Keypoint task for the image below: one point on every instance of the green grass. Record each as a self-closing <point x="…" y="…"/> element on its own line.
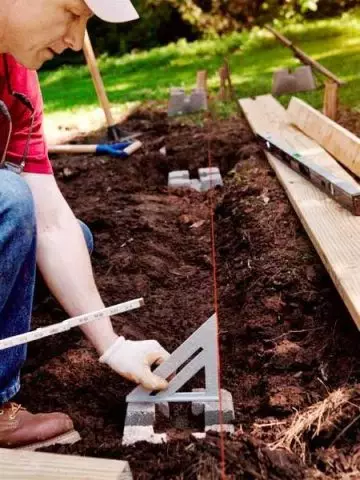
<point x="253" y="58"/>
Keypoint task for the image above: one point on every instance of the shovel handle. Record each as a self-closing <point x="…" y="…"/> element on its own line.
<point x="133" y="147"/>
<point x="72" y="148"/>
<point x="97" y="80"/>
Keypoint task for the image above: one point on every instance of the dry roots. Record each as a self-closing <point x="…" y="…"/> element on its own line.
<point x="321" y="417"/>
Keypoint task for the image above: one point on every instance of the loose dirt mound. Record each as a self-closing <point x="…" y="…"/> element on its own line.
<point x="286" y="338"/>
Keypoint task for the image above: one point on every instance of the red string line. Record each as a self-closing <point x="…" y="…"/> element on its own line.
<point x="216" y="308"/>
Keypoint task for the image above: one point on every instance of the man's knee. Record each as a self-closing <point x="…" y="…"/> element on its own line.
<point x="17" y="204"/>
<point x="89" y="239"/>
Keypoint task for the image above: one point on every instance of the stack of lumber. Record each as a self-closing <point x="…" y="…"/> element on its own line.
<point x="24" y="465"/>
<point x="334" y="231"/>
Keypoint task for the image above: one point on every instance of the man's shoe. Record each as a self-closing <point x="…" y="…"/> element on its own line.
<point x="21" y="429"/>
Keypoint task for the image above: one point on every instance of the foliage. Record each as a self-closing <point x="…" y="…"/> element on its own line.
<point x="221" y="16"/>
<point x="253" y="55"/>
<point x="165" y="21"/>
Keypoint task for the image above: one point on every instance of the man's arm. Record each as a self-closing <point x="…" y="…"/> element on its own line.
<point x="63" y="258"/>
<point x="64" y="262"/>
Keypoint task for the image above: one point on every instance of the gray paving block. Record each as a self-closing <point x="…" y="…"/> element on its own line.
<point x="139" y="425"/>
<point x="164" y="409"/>
<point x="140" y="414"/>
<point x="176" y="104"/>
<point x="211" y="409"/>
<point x="211" y="181"/>
<point x="195" y="184"/>
<point x="203" y="172"/>
<point x="179" y="183"/>
<point x="227" y="428"/>
<point x="179" y="174"/>
<point x="180" y="103"/>
<point x="137" y="434"/>
<point x="197" y="100"/>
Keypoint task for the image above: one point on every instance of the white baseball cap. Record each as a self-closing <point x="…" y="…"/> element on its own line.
<point x="114" y="11"/>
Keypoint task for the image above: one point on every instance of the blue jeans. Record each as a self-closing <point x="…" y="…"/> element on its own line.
<point x="17" y="273"/>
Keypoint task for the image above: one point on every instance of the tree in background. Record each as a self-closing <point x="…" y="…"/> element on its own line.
<point x="222" y="16"/>
<point x="165" y="21"/>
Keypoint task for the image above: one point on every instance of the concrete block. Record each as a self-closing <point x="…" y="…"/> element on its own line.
<point x="283" y="82"/>
<point x="197" y="100"/>
<point x="227" y="428"/>
<point x="179" y="183"/>
<point x="211" y="409"/>
<point x="179" y="174"/>
<point x="137" y="434"/>
<point x="211" y="181"/>
<point x="180" y="103"/>
<point x="176" y="104"/>
<point x="302" y="79"/>
<point x="204" y="172"/>
<point x="195" y="184"/>
<point x="139" y="425"/>
<point x="305" y="78"/>
<point x="140" y="414"/>
<point x="164" y="409"/>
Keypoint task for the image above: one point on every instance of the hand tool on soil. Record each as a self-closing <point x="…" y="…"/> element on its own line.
<point x="114" y="132"/>
<point x="197" y="352"/>
<point x="119" y="150"/>
<point x="70" y="323"/>
<point x="343" y="192"/>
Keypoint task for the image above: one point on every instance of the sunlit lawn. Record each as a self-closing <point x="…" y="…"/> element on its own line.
<point x="253" y="58"/>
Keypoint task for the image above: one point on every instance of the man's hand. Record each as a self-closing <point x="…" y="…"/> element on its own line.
<point x="133" y="359"/>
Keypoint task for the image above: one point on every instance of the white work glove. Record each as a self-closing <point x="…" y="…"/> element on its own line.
<point x="133" y="359"/>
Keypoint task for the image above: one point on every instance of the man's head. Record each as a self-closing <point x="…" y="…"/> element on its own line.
<point x="33" y="31"/>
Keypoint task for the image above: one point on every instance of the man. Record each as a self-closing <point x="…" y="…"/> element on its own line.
<point x="37" y="225"/>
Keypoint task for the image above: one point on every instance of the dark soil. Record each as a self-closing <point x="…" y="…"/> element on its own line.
<point x="286" y="337"/>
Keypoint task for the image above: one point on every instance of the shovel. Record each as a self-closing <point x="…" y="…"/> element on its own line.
<point x="118" y="150"/>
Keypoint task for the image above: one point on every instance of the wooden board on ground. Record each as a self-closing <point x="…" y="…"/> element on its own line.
<point x="339" y="142"/>
<point x="24" y="465"/>
<point x="334" y="231"/>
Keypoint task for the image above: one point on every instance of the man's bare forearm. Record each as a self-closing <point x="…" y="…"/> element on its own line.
<point x="64" y="261"/>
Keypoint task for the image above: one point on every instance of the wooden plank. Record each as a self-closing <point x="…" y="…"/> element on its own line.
<point x="24" y="465"/>
<point x="331" y="100"/>
<point x="339" y="142"/>
<point x="268" y="115"/>
<point x="334" y="231"/>
<point x="201" y="80"/>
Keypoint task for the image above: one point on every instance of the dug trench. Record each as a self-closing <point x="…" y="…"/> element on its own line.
<point x="286" y="339"/>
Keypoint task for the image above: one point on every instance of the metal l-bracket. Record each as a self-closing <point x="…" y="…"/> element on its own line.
<point x="199" y="351"/>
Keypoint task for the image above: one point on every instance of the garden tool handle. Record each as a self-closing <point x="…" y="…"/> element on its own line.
<point x="122" y="150"/>
<point x="72" y="149"/>
<point x="97" y="80"/>
<point x="133" y="147"/>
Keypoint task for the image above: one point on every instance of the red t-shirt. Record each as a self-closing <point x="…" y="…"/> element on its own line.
<point x="26" y="82"/>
